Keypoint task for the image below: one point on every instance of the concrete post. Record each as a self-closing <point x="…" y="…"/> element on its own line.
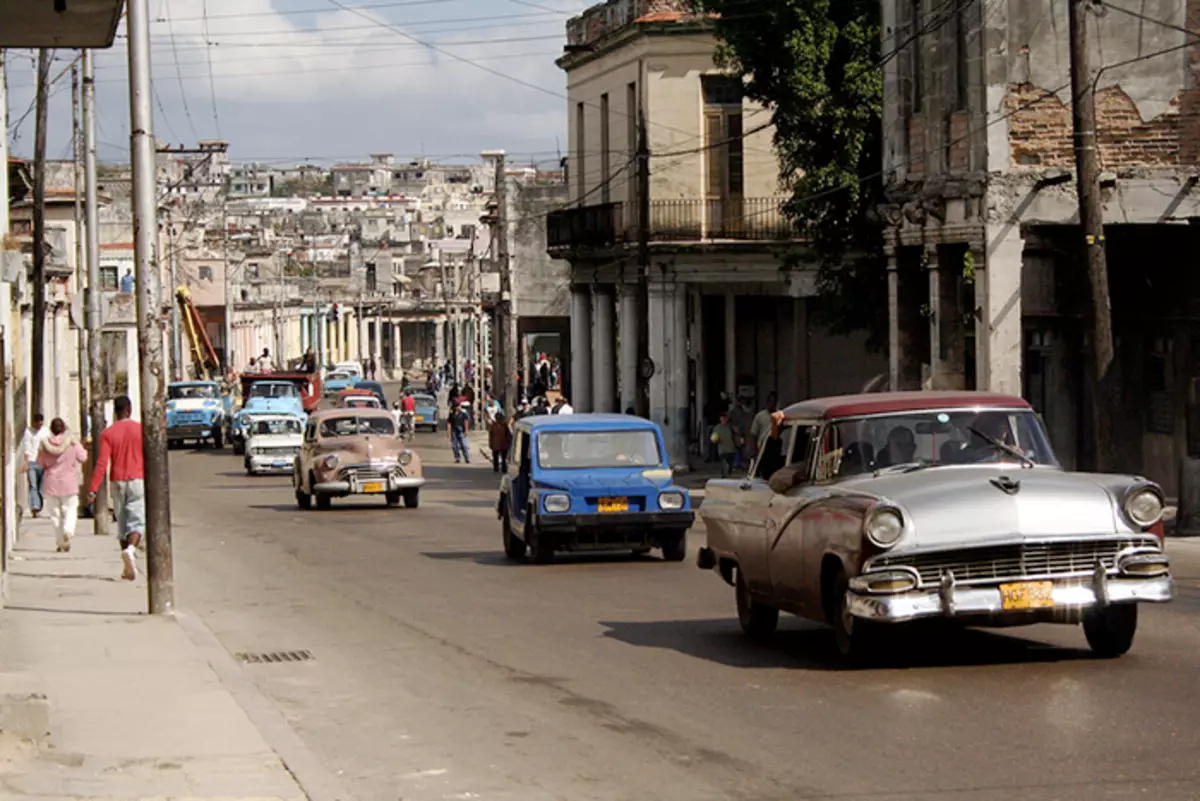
<point x="603" y="373"/>
<point x="982" y="339"/>
<point x="439" y="343"/>
<point x="580" y="391"/>
<point x="627" y="330"/>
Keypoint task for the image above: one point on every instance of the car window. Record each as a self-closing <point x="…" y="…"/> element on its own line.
<point x="274" y="391"/>
<point x="350" y="425"/>
<point x="176" y="392"/>
<point x="277" y="427"/>
<point x="570" y="450"/>
<point x="521" y="450"/>
<point x="310" y="432"/>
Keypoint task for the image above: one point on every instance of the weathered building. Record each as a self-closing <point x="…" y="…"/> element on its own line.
<point x="725" y="313"/>
<point x="987" y="284"/>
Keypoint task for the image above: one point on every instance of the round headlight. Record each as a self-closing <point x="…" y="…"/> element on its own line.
<point x="556" y="503"/>
<point x="884" y="527"/>
<point x="1145" y="508"/>
<point x="330" y="461"/>
<point x="405" y="457"/>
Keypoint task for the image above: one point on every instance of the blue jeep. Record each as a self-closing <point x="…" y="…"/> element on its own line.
<point x="265" y="397"/>
<point x="196" y="412"/>
<point x="591" y="482"/>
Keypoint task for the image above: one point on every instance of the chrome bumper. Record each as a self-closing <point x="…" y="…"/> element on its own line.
<point x="267" y="464"/>
<point x="347" y="488"/>
<point x="955" y="601"/>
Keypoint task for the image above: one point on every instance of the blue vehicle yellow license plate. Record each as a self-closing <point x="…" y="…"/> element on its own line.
<point x="1027" y="595"/>
<point x="420" y="418"/>
<point x="373" y="486"/>
<point x="613" y="505"/>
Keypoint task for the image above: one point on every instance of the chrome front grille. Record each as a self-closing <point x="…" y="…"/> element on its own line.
<point x="1007" y="562"/>
<point x="363" y="473"/>
<point x="279" y="451"/>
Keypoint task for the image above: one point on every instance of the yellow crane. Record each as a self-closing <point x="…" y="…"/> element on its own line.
<point x="204" y="356"/>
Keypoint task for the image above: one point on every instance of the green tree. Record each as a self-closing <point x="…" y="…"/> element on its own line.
<point x="815" y="64"/>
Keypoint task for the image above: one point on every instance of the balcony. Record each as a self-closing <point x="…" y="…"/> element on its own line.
<point x="610" y="225"/>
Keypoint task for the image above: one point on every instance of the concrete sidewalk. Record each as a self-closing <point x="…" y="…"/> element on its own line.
<point x="99" y="700"/>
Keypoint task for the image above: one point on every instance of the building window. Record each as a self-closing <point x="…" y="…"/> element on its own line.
<point x="961" y="75"/>
<point x="604" y="144"/>
<point x="108" y="277"/>
<point x="631" y="127"/>
<point x="917" y="23"/>
<point x="722" y="90"/>
<point x="580" y="159"/>
<point x="371" y="281"/>
<point x="723" y="144"/>
<point x="206" y="273"/>
<point x="252" y="270"/>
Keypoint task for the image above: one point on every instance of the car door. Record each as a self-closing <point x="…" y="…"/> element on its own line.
<point x="749" y="500"/>
<point x="306" y="454"/>
<point x="522" y="458"/>
<point x="787" y="515"/>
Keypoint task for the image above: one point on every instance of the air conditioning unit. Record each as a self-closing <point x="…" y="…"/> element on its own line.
<point x="12" y="265"/>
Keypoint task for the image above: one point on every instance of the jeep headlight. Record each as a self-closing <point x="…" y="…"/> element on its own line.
<point x="556" y="502"/>
<point x="1144" y="507"/>
<point x="884" y="526"/>
<point x="670" y="501"/>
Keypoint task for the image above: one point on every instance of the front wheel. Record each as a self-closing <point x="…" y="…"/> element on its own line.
<point x="756" y="619"/>
<point x="239" y="447"/>
<point x="514" y="546"/>
<point x="412" y="499"/>
<point x="1110" y="629"/>
<point x="857" y="640"/>
<point x="303" y="499"/>
<point x="541" y="545"/>
<point x="674" y="547"/>
<point x="392" y="498"/>
<point x="218" y="439"/>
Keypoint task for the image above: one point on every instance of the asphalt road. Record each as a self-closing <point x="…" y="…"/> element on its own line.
<point x="442" y="671"/>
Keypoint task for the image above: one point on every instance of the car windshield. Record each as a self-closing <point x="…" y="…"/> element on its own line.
<point x="362" y="403"/>
<point x="195" y="391"/>
<point x="424" y="400"/>
<point x="277" y="426"/>
<point x="337" y="376"/>
<point x="274" y="391"/>
<point x="569" y="450"/>
<point x="920" y="439"/>
<point x="350" y="425"/>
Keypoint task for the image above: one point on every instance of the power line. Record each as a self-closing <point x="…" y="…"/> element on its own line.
<point x="212" y="84"/>
<point x="163" y="111"/>
<point x="187" y="112"/>
<point x="357" y="44"/>
<point x="409" y="24"/>
<point x="397" y="4"/>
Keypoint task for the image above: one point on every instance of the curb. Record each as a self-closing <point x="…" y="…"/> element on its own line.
<point x="314" y="779"/>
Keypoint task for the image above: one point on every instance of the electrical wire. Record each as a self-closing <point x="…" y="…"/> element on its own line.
<point x="212" y="84"/>
<point x="289" y="12"/>
<point x="163" y="111"/>
<point x="409" y="24"/>
<point x="187" y="112"/>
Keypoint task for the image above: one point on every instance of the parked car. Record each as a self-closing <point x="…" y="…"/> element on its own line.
<point x="351" y="367"/>
<point x="337" y="380"/>
<point x="273" y="444"/>
<point x="867" y="511"/>
<point x="375" y="388"/>
<point x="426" y="414"/>
<point x="195" y="412"/>
<point x="590" y="482"/>
<point x="355" y="452"/>
<point x="265" y="397"/>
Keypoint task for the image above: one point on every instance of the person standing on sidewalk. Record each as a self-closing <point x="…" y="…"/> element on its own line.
<point x="459" y="425"/>
<point x="499" y="440"/>
<point x="725" y="443"/>
<point x="60" y="457"/>
<point x="121" y="445"/>
<point x="31" y="444"/>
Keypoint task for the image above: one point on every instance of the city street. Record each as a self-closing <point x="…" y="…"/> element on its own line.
<point x="441" y="670"/>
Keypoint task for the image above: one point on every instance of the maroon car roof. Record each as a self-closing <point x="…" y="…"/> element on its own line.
<point x="889" y="402"/>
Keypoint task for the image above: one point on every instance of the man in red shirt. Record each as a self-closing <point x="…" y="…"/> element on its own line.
<point x="121" y="446"/>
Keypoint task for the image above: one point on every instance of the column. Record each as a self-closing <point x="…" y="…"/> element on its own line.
<point x="668" y="385"/>
<point x="397" y="350"/>
<point x="731" y="344"/>
<point x="1002" y="312"/>
<point x="439" y="343"/>
<point x="580" y="391"/>
<point x="603" y="372"/>
<point x="893" y="279"/>
<point x="800" y="342"/>
<point x="982" y="350"/>
<point x="376" y="346"/>
<point x="947" y="332"/>
<point x="627" y="331"/>
<point x="364" y="338"/>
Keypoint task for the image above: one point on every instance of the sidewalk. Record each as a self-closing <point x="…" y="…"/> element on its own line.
<point x="99" y="700"/>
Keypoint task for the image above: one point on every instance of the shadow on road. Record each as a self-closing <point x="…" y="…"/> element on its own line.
<point x="52" y="611"/>
<point x="496" y="558"/>
<point x="810" y="646"/>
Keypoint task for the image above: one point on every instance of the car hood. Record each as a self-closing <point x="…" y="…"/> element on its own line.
<point x="964" y="505"/>
<point x="275" y="440"/>
<point x="271" y="405"/>
<point x="606" y="480"/>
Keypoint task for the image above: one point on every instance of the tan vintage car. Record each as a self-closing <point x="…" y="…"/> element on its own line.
<point x="355" y="452"/>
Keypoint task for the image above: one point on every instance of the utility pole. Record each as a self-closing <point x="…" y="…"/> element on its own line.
<point x="80" y="266"/>
<point x="228" y="287"/>
<point x="643" y="284"/>
<point x="160" y="565"/>
<point x="97" y="389"/>
<point x="176" y="323"/>
<point x="37" y="346"/>
<point x="505" y="373"/>
<point x="1091" y="219"/>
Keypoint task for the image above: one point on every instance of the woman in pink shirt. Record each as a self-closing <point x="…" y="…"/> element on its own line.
<point x="60" y="456"/>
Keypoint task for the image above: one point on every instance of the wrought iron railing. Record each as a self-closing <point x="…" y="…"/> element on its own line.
<point x="681" y="220"/>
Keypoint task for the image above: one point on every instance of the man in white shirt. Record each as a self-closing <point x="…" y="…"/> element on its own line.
<point x="565" y="407"/>
<point x="31" y="443"/>
<point x="264" y="362"/>
<point x="761" y="426"/>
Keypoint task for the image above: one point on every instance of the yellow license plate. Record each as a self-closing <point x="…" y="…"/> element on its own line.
<point x="613" y="505"/>
<point x="373" y="486"/>
<point x="420" y="418"/>
<point x="1027" y="595"/>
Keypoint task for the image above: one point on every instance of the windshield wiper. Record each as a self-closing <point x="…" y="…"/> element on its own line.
<point x="1009" y="449"/>
<point x="903" y="467"/>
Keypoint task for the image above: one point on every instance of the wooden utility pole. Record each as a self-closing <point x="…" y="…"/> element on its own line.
<point x="80" y="263"/>
<point x="512" y="353"/>
<point x="96" y="388"/>
<point x="37" y="345"/>
<point x="1091" y="220"/>
<point x="645" y="365"/>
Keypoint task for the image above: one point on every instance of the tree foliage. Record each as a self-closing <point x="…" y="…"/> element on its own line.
<point x="815" y="64"/>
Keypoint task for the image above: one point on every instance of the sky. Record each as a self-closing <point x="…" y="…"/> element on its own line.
<point x="297" y="80"/>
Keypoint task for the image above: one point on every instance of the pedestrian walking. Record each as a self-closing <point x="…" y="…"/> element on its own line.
<point x="459" y="426"/>
<point x="372" y="367"/>
<point x="499" y="440"/>
<point x="60" y="457"/>
<point x="725" y="442"/>
<point x="121" y="446"/>
<point x="31" y="443"/>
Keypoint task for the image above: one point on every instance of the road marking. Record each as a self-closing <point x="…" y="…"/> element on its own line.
<point x="422" y="774"/>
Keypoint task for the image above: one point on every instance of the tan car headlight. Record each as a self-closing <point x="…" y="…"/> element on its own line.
<point x="884" y="526"/>
<point x="1144" y="507"/>
<point x="404" y="458"/>
<point x="330" y="461"/>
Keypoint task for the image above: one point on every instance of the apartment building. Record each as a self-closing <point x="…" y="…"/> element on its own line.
<point x="725" y="314"/>
<point x="987" y="284"/>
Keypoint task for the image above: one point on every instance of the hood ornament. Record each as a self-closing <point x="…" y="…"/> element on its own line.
<point x="1006" y="485"/>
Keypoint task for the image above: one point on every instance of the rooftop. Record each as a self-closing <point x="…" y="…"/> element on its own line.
<point x="596" y="422"/>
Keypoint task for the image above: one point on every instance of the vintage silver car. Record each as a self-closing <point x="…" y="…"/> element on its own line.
<point x="877" y="509"/>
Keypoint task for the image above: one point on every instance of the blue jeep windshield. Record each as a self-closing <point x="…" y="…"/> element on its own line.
<point x="274" y="391"/>
<point x="574" y="450"/>
<point x="195" y="391"/>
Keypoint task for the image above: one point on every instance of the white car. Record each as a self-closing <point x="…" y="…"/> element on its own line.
<point x="273" y="444"/>
<point x="353" y="368"/>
